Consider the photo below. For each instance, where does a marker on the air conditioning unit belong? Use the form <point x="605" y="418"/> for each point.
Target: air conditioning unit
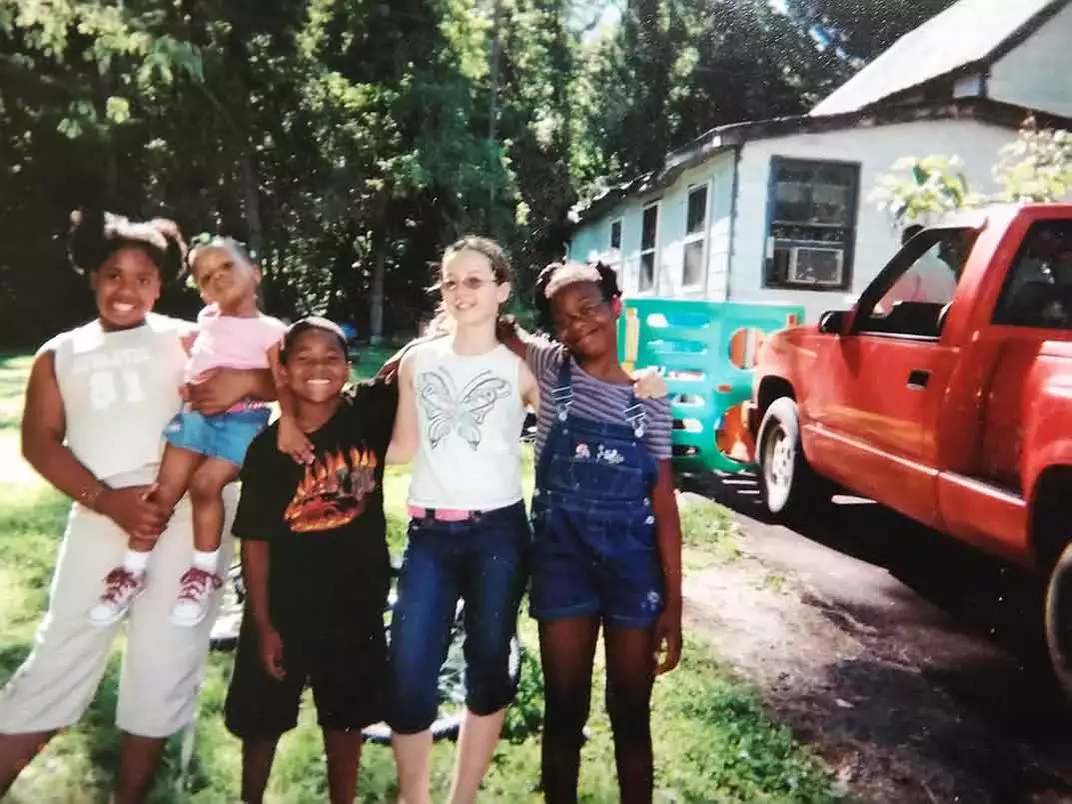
<point x="812" y="265"/>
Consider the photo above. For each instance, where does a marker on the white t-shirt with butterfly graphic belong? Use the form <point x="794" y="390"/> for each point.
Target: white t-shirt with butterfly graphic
<point x="470" y="412"/>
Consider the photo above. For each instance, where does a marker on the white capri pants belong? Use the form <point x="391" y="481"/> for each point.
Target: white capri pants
<point x="163" y="664"/>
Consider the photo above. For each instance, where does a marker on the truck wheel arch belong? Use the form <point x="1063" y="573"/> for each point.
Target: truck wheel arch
<point x="1050" y="523"/>
<point x="771" y="388"/>
<point x="1051" y="539"/>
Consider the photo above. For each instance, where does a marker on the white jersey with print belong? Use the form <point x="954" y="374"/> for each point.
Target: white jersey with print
<point x="471" y="414"/>
<point x="120" y="390"/>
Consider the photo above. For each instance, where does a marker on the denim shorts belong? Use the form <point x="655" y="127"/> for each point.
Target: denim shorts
<point x="226" y="436"/>
<point x="588" y="562"/>
<point x="485" y="562"/>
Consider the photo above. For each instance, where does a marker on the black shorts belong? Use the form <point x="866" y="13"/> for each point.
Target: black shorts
<point x="345" y="667"/>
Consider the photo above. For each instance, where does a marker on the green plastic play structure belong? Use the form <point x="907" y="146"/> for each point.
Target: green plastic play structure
<point x="706" y="351"/>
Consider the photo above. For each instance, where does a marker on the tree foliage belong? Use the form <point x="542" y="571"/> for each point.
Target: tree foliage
<point x="348" y="141"/>
<point x="1035" y="167"/>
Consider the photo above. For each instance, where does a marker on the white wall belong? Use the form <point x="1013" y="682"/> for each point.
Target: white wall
<point x="593" y="238"/>
<point x="876" y="149"/>
<point x="1034" y="74"/>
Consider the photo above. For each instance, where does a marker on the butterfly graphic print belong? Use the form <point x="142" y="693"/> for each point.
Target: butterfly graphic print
<point x="462" y="412"/>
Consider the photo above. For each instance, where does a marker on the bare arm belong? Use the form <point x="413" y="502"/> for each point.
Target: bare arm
<point x="668" y="536"/>
<point x="405" y="438"/>
<point x="530" y="389"/>
<point x="389" y="370"/>
<point x="289" y="439"/>
<point x="44" y="427"/>
<point x="219" y="389"/>
<point x="255" y="558"/>
<point x="512" y="336"/>
<point x="255" y="561"/>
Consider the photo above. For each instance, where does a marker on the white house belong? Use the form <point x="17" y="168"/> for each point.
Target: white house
<point x="778" y="210"/>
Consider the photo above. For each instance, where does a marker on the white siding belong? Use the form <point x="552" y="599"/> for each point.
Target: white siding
<point x="593" y="238"/>
<point x="875" y="149"/>
<point x="1035" y="73"/>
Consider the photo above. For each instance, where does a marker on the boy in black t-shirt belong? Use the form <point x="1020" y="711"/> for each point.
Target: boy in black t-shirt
<point x="315" y="564"/>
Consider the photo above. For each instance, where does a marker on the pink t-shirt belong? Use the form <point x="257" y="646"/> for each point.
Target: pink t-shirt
<point x="225" y="341"/>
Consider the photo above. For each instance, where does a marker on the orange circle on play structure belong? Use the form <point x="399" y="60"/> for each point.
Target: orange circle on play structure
<point x="744" y="346"/>
<point x="733" y="438"/>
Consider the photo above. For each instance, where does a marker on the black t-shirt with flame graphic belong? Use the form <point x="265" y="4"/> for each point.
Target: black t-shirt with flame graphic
<point x="328" y="560"/>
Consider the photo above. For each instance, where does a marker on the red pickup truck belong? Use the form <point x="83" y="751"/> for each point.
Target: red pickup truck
<point x="950" y="402"/>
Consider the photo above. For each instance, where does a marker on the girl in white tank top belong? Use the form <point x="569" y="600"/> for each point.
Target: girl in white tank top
<point x="461" y="408"/>
<point x="98" y="399"/>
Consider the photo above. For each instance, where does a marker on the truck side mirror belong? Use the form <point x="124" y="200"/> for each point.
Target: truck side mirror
<point x="832" y="322"/>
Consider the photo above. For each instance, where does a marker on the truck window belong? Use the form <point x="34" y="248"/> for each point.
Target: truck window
<point x="1038" y="288"/>
<point x="920" y="281"/>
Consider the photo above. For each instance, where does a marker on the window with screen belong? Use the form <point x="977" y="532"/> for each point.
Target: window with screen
<point x="812" y="224"/>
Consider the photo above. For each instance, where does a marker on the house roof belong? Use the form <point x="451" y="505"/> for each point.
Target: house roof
<point x="731" y="137"/>
<point x="967" y="36"/>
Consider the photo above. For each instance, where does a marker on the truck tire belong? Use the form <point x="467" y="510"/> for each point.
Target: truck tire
<point x="788" y="484"/>
<point x="1059" y="620"/>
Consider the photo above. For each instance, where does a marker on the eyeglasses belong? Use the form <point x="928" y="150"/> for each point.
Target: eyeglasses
<point x="469" y="283"/>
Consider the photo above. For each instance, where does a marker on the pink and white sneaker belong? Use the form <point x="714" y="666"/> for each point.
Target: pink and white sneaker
<point x="121" y="588"/>
<point x="195" y="594"/>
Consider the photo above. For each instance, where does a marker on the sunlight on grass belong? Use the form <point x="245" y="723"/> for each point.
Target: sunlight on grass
<point x="713" y="741"/>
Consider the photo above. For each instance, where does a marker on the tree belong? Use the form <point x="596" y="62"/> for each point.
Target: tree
<point x="1035" y="167"/>
<point x="860" y="30"/>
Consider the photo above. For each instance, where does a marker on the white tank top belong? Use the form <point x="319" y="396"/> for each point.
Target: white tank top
<point x="120" y="390"/>
<point x="471" y="414"/>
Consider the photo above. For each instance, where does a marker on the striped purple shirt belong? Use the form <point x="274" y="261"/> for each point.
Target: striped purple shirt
<point x="593" y="399"/>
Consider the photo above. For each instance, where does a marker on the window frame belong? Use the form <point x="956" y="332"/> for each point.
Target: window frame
<point x="654" y="250"/>
<point x="864" y="323"/>
<point x="848" y="248"/>
<point x="614" y="253"/>
<point x="700" y="235"/>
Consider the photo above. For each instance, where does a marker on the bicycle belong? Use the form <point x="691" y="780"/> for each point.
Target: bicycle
<point x="224" y="637"/>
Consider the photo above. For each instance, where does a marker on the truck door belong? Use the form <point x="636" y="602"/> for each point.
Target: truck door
<point x="886" y="378"/>
<point x="1034" y="306"/>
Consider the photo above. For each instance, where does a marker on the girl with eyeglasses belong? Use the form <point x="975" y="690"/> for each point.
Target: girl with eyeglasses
<point x="462" y="401"/>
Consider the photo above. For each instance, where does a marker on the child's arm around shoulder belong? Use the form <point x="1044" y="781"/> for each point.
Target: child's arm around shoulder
<point x="529" y="387"/>
<point x="290" y="439"/>
<point x="540" y="354"/>
<point x="405" y="436"/>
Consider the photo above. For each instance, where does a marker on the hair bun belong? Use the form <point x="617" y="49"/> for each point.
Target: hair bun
<point x="93" y="235"/>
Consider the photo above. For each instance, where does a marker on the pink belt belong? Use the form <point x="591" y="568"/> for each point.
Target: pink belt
<point x="442" y="514"/>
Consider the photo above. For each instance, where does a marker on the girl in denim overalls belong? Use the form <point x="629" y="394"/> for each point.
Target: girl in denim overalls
<point x="607" y="548"/>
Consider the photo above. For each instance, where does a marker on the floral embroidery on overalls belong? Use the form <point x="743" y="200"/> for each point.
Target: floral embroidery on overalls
<point x="600" y="467"/>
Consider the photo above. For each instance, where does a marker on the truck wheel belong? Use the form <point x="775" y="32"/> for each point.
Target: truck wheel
<point x="787" y="482"/>
<point x="1059" y="620"/>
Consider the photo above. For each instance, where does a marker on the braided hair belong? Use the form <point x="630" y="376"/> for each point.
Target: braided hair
<point x="558" y="275"/>
<point x="95" y="235"/>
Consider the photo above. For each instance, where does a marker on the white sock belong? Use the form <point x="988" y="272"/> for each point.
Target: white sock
<point x="207" y="561"/>
<point x="135" y="561"/>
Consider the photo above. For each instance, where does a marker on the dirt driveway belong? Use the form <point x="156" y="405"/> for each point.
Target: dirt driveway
<point x="913" y="665"/>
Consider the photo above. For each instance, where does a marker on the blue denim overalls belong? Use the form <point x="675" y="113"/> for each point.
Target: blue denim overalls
<point x="595" y="551"/>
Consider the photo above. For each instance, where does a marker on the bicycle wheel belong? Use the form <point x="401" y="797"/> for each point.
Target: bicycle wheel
<point x="224" y="634"/>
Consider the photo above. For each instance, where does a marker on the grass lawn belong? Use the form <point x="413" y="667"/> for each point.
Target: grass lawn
<point x="713" y="741"/>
